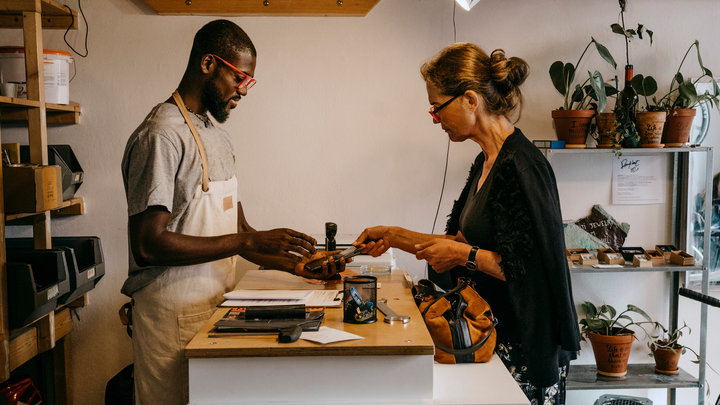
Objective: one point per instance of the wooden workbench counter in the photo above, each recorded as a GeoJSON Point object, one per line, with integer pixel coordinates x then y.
{"type": "Point", "coordinates": [380, 338]}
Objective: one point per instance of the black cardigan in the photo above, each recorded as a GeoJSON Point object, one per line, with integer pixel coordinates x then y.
{"type": "Point", "coordinates": [529, 233]}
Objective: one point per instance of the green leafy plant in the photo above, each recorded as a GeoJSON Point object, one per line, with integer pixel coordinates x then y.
{"type": "Point", "coordinates": [580, 96]}
{"type": "Point", "coordinates": [682, 93]}
{"type": "Point", "coordinates": [671, 340]}
{"type": "Point", "coordinates": [605, 320]}
{"type": "Point", "coordinates": [629, 33]}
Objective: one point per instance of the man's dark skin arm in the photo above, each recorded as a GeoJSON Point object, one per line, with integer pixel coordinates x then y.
{"type": "Point", "coordinates": [153, 244]}
{"type": "Point", "coordinates": [329, 269]}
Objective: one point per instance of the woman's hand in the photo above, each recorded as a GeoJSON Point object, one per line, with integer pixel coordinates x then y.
{"type": "Point", "coordinates": [376, 240]}
{"type": "Point", "coordinates": [329, 267]}
{"type": "Point", "coordinates": [443, 254]}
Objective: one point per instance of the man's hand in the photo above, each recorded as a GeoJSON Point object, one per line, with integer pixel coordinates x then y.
{"type": "Point", "coordinates": [375, 239]}
{"type": "Point", "coordinates": [329, 268]}
{"type": "Point", "coordinates": [287, 243]}
{"type": "Point", "coordinates": [443, 254]}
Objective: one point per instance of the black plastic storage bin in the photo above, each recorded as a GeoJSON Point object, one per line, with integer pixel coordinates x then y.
{"type": "Point", "coordinates": [63, 156]}
{"type": "Point", "coordinates": [36, 279]}
{"type": "Point", "coordinates": [84, 258]}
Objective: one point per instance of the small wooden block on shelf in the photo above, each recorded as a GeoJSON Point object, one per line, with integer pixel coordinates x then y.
{"type": "Point", "coordinates": [666, 250]}
{"type": "Point", "coordinates": [588, 259]}
{"type": "Point", "coordinates": [656, 257]}
{"type": "Point", "coordinates": [610, 256]}
{"type": "Point", "coordinates": [682, 258]}
{"type": "Point", "coordinates": [574, 254]}
{"type": "Point", "coordinates": [642, 260]}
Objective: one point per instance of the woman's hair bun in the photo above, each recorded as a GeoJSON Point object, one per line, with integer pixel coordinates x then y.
{"type": "Point", "coordinates": [507, 72]}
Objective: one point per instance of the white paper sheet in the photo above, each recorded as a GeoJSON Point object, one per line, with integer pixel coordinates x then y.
{"type": "Point", "coordinates": [314, 298]}
{"type": "Point", "coordinates": [327, 335]}
{"type": "Point", "coordinates": [637, 180]}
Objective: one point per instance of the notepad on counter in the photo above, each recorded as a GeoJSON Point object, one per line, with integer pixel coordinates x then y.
{"type": "Point", "coordinates": [326, 335]}
{"type": "Point", "coordinates": [310, 298]}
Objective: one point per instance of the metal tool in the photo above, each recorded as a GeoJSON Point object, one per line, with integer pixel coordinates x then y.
{"type": "Point", "coordinates": [390, 315]}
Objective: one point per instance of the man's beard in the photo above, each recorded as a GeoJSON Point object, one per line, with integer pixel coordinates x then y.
{"type": "Point", "coordinates": [212, 100]}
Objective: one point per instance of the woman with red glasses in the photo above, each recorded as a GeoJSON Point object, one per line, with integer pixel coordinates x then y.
{"type": "Point", "coordinates": [505, 230]}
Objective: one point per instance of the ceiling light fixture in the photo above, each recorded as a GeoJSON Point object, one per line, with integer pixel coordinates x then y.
{"type": "Point", "coordinates": [467, 4]}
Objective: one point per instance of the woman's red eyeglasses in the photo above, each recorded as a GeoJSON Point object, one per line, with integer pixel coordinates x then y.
{"type": "Point", "coordinates": [435, 110]}
{"type": "Point", "coordinates": [247, 80]}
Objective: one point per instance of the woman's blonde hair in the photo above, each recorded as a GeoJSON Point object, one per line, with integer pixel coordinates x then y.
{"type": "Point", "coordinates": [464, 66]}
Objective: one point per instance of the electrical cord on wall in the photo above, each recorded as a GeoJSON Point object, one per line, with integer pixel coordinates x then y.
{"type": "Point", "coordinates": [87, 29]}
{"type": "Point", "coordinates": [447, 152]}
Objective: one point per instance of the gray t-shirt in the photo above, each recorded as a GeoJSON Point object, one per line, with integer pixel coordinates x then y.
{"type": "Point", "coordinates": [162, 167]}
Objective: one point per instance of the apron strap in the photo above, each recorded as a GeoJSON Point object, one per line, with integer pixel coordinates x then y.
{"type": "Point", "coordinates": [183, 110]}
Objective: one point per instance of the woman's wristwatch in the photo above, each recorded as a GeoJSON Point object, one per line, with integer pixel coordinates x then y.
{"type": "Point", "coordinates": [470, 262]}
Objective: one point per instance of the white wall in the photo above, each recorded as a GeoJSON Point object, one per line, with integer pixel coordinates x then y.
{"type": "Point", "coordinates": [337, 129]}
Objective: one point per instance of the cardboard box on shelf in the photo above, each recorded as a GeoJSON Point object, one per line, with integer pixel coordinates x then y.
{"type": "Point", "coordinates": [682, 258]}
{"type": "Point", "coordinates": [574, 254]}
{"type": "Point", "coordinates": [31, 188]}
{"type": "Point", "coordinates": [642, 260]}
{"type": "Point", "coordinates": [609, 256]}
{"type": "Point", "coordinates": [657, 257]}
{"type": "Point", "coordinates": [588, 259]}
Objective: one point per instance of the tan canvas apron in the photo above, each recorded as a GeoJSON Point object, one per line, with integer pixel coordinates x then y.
{"type": "Point", "coordinates": [169, 312]}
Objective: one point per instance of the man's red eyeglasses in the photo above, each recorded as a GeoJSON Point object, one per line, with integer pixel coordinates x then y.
{"type": "Point", "coordinates": [247, 80]}
{"type": "Point", "coordinates": [435, 110]}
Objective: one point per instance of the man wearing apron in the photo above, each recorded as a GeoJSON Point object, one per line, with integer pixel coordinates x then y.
{"type": "Point", "coordinates": [185, 222]}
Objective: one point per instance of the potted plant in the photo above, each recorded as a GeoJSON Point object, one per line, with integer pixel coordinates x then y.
{"type": "Point", "coordinates": [681, 99]}
{"type": "Point", "coordinates": [581, 101]}
{"type": "Point", "coordinates": [628, 98]}
{"type": "Point", "coordinates": [606, 124]}
{"type": "Point", "coordinates": [650, 122]}
{"type": "Point", "coordinates": [610, 336]}
{"type": "Point", "coordinates": [666, 349]}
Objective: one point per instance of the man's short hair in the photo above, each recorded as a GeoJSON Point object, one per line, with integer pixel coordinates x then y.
{"type": "Point", "coordinates": [223, 38]}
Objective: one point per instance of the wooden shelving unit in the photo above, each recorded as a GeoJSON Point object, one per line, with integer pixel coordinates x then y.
{"type": "Point", "coordinates": [19, 346]}
{"type": "Point", "coordinates": [16, 111]}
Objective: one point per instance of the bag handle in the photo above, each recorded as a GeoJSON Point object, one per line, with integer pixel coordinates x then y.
{"type": "Point", "coordinates": [463, 282]}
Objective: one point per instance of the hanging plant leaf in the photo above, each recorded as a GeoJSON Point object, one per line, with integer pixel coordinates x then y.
{"type": "Point", "coordinates": [603, 51]}
{"type": "Point", "coordinates": [679, 79]}
{"type": "Point", "coordinates": [578, 94]}
{"type": "Point", "coordinates": [687, 95]}
{"type": "Point", "coordinates": [598, 87]}
{"type": "Point", "coordinates": [644, 86]}
{"type": "Point", "coordinates": [562, 75]}
{"type": "Point", "coordinates": [618, 29]}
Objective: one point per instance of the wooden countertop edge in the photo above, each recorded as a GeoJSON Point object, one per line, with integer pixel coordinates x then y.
{"type": "Point", "coordinates": [308, 351]}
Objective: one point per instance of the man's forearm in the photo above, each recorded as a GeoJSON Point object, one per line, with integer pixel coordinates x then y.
{"type": "Point", "coordinates": [175, 249]}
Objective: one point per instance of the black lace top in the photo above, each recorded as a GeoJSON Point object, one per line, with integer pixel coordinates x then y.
{"type": "Point", "coordinates": [520, 217]}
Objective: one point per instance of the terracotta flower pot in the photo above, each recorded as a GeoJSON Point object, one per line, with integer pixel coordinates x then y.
{"type": "Point", "coordinates": [650, 127]}
{"type": "Point", "coordinates": [607, 136]}
{"type": "Point", "coordinates": [612, 352]}
{"type": "Point", "coordinates": [666, 360]}
{"type": "Point", "coordinates": [677, 127]}
{"type": "Point", "coordinates": [572, 126]}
